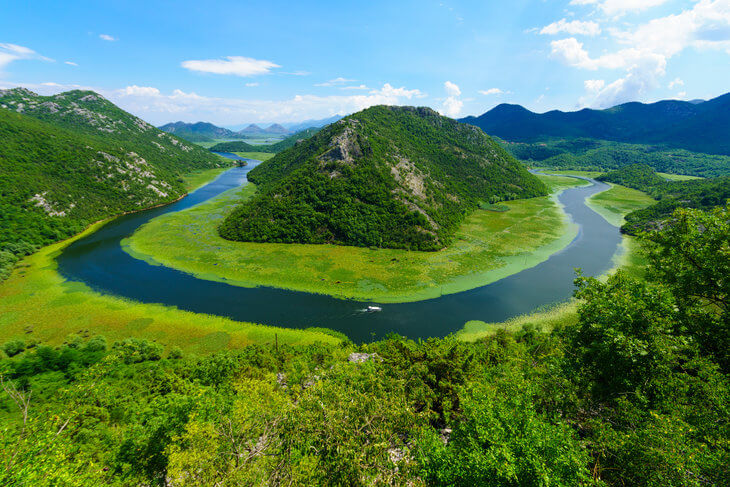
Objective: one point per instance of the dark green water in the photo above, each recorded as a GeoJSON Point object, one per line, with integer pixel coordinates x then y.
{"type": "Point", "coordinates": [99, 261]}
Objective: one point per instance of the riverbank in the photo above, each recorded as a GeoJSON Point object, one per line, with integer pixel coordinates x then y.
{"type": "Point", "coordinates": [38, 305]}
{"type": "Point", "coordinates": [488, 247]}
{"type": "Point", "coordinates": [612, 205]}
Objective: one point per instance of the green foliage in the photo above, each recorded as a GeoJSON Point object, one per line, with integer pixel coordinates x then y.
{"type": "Point", "coordinates": [502, 439]}
{"type": "Point", "coordinates": [602, 155]}
{"type": "Point", "coordinates": [691, 256]}
{"type": "Point", "coordinates": [634, 393]}
{"type": "Point", "coordinates": [696, 193]}
{"type": "Point", "coordinates": [395, 177]}
{"type": "Point", "coordinates": [13, 347]}
{"type": "Point", "coordinates": [74, 158]}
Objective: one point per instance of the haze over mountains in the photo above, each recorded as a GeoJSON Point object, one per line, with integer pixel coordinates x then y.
{"type": "Point", "coordinates": [204, 131]}
{"type": "Point", "coordinates": [697, 125]}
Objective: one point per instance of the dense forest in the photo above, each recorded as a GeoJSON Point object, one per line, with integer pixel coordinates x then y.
{"type": "Point", "coordinates": [397, 177]}
{"type": "Point", "coordinates": [635, 392]}
{"type": "Point", "coordinates": [291, 141]}
{"type": "Point", "coordinates": [600, 155]}
{"type": "Point", "coordinates": [699, 193]}
{"type": "Point", "coordinates": [699, 125]}
{"type": "Point", "coordinates": [74, 158]}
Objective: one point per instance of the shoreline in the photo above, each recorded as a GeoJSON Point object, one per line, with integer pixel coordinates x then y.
{"type": "Point", "coordinates": [508, 264]}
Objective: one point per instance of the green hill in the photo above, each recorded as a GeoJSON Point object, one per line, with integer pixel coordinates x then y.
{"type": "Point", "coordinates": [240, 146]}
{"type": "Point", "coordinates": [70, 159]}
{"type": "Point", "coordinates": [397, 177]}
{"type": "Point", "coordinates": [199, 131]}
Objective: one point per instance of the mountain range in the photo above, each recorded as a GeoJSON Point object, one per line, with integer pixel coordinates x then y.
{"type": "Point", "coordinates": [697, 125]}
{"type": "Point", "coordinates": [396, 177]}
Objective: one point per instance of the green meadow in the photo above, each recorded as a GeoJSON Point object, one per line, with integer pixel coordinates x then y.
{"type": "Point", "coordinates": [490, 245]}
{"type": "Point", "coordinates": [617, 202]}
{"type": "Point", "coordinates": [260, 156]}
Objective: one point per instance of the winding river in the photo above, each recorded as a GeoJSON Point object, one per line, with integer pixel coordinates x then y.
{"type": "Point", "coordinates": [99, 261]}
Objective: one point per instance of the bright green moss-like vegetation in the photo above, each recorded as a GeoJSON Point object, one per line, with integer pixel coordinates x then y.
{"type": "Point", "coordinates": [488, 246]}
{"type": "Point", "coordinates": [387, 177]}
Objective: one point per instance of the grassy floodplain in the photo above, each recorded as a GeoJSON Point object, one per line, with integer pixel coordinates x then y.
{"type": "Point", "coordinates": [489, 246]}
{"type": "Point", "coordinates": [260, 156]}
{"type": "Point", "coordinates": [38, 304]}
{"type": "Point", "coordinates": [677, 177]}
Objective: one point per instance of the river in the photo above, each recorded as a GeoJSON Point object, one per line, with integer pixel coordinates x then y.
{"type": "Point", "coordinates": [99, 261]}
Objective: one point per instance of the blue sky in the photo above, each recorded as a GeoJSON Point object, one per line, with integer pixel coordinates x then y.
{"type": "Point", "coordinates": [237, 62]}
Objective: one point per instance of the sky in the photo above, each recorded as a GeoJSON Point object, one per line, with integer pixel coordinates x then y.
{"type": "Point", "coordinates": [234, 62]}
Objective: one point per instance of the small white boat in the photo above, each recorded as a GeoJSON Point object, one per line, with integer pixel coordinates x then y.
{"type": "Point", "coordinates": [373, 309]}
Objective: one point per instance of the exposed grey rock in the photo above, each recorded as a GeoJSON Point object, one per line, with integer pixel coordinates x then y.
{"type": "Point", "coordinates": [358, 358]}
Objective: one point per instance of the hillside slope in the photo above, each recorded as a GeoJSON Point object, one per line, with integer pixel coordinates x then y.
{"type": "Point", "coordinates": [199, 131]}
{"type": "Point", "coordinates": [74, 158]}
{"type": "Point", "coordinates": [701, 127]}
{"type": "Point", "coordinates": [398, 177]}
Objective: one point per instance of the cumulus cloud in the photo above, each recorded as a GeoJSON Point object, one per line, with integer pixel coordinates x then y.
{"type": "Point", "coordinates": [157, 107]}
{"type": "Point", "coordinates": [235, 65]}
{"type": "Point", "coordinates": [452, 89]}
{"type": "Point", "coordinates": [107, 37]}
{"type": "Point", "coordinates": [452, 105]}
{"type": "Point", "coordinates": [13, 52]}
{"type": "Point", "coordinates": [575, 27]}
{"type": "Point", "coordinates": [620, 7]}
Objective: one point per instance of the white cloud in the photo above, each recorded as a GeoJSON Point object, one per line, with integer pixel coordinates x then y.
{"type": "Point", "coordinates": [235, 65]}
{"type": "Point", "coordinates": [251, 85]}
{"type": "Point", "coordinates": [107, 37]}
{"type": "Point", "coordinates": [70, 63]}
{"type": "Point", "coordinates": [594, 85]}
{"type": "Point", "coordinates": [675, 82]}
{"type": "Point", "coordinates": [492, 91]}
{"type": "Point", "coordinates": [157, 107]}
{"type": "Point", "coordinates": [358, 87]}
{"type": "Point", "coordinates": [705, 26]}
{"type": "Point", "coordinates": [452, 89]}
{"type": "Point", "coordinates": [575, 27]}
{"type": "Point", "coordinates": [682, 94]}
{"type": "Point", "coordinates": [335, 82]}
{"type": "Point", "coordinates": [452, 105]}
{"type": "Point", "coordinates": [13, 52]}
{"type": "Point", "coordinates": [620, 7]}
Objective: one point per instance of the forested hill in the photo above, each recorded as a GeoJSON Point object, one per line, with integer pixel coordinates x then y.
{"type": "Point", "coordinates": [199, 131]}
{"type": "Point", "coordinates": [399, 177]}
{"type": "Point", "coordinates": [74, 158]}
{"type": "Point", "coordinates": [697, 126]}
{"type": "Point", "coordinates": [240, 146]}
{"type": "Point", "coordinates": [698, 193]}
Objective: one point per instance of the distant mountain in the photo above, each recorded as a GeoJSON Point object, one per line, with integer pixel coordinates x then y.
{"type": "Point", "coordinates": [296, 127]}
{"type": "Point", "coordinates": [73, 158]}
{"type": "Point", "coordinates": [252, 129]}
{"type": "Point", "coordinates": [276, 129]}
{"type": "Point", "coordinates": [701, 126]}
{"type": "Point", "coordinates": [241, 146]}
{"type": "Point", "coordinates": [397, 177]}
{"type": "Point", "coordinates": [199, 131]}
